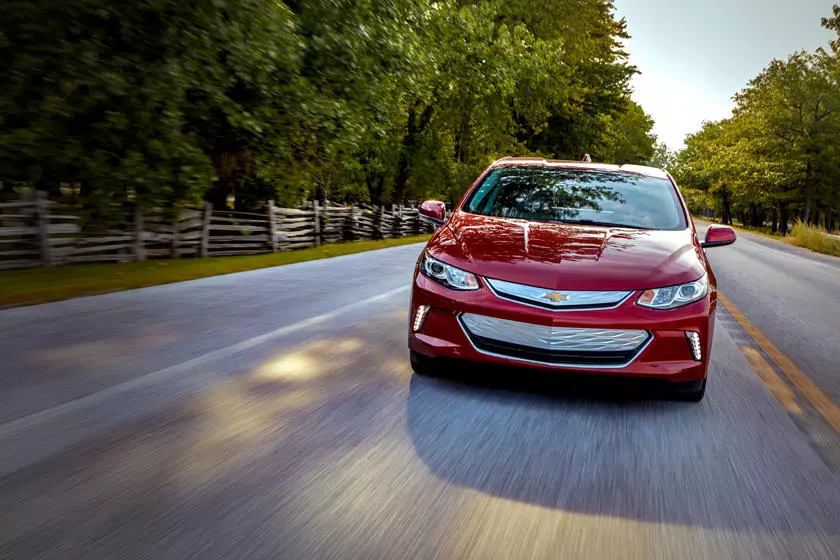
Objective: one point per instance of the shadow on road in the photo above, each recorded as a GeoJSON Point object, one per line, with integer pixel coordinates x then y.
{"type": "Point", "coordinates": [526, 382]}
{"type": "Point", "coordinates": [601, 446]}
{"type": "Point", "coordinates": [327, 441]}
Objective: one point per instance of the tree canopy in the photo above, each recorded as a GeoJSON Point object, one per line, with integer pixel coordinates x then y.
{"type": "Point", "coordinates": [778, 156]}
{"type": "Point", "coordinates": [164, 103]}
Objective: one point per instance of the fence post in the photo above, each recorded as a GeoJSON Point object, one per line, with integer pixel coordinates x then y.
{"type": "Point", "coordinates": [352, 217]}
{"type": "Point", "coordinates": [139, 248]}
{"type": "Point", "coordinates": [176, 233]}
{"type": "Point", "coordinates": [42, 215]}
{"type": "Point", "coordinates": [373, 218]}
{"type": "Point", "coordinates": [272, 227]}
{"type": "Point", "coordinates": [325, 221]}
{"type": "Point", "coordinates": [317, 223]}
{"type": "Point", "coordinates": [205, 230]}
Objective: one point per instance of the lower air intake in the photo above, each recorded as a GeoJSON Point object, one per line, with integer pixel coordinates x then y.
{"type": "Point", "coordinates": [566, 346]}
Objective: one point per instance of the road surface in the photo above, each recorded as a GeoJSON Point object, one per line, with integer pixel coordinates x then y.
{"type": "Point", "coordinates": [273, 414]}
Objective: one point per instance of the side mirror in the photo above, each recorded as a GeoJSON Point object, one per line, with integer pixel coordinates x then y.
{"type": "Point", "coordinates": [433, 210]}
{"type": "Point", "coordinates": [718, 236]}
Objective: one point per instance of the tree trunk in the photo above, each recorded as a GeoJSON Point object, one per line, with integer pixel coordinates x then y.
{"type": "Point", "coordinates": [808, 193]}
{"type": "Point", "coordinates": [7, 191]}
{"type": "Point", "coordinates": [376, 188]}
{"type": "Point", "coordinates": [783, 218]}
{"type": "Point", "coordinates": [414, 128]}
{"type": "Point", "coordinates": [727, 213]}
{"type": "Point", "coordinates": [217, 196]}
{"type": "Point", "coordinates": [775, 217]}
{"type": "Point", "coordinates": [85, 190]}
{"type": "Point", "coordinates": [405, 149]}
{"type": "Point", "coordinates": [756, 215]}
{"type": "Point", "coordinates": [231, 167]}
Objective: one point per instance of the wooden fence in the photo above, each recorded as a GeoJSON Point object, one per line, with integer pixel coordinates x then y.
{"type": "Point", "coordinates": [44, 233]}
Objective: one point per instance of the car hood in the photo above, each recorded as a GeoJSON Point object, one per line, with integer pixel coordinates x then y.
{"type": "Point", "coordinates": [567, 256]}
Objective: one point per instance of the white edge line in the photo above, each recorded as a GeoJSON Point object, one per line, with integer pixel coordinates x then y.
{"type": "Point", "coordinates": [33, 420]}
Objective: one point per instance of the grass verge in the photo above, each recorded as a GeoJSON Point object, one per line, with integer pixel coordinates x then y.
{"type": "Point", "coordinates": [762, 231]}
{"type": "Point", "coordinates": [23, 287]}
{"type": "Point", "coordinates": [814, 238]}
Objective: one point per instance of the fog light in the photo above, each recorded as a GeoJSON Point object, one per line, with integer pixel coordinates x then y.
{"type": "Point", "coordinates": [694, 344]}
{"type": "Point", "coordinates": [419, 317]}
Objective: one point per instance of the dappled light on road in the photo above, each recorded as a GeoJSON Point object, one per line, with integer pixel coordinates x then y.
{"type": "Point", "coordinates": [258, 300]}
{"type": "Point", "coordinates": [290, 367]}
{"type": "Point", "coordinates": [320, 443]}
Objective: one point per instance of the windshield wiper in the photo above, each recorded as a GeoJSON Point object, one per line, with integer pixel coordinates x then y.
{"type": "Point", "coordinates": [603, 224]}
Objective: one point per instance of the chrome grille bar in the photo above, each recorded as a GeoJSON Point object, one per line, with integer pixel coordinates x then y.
{"type": "Point", "coordinates": [565, 339]}
{"type": "Point", "coordinates": [557, 299]}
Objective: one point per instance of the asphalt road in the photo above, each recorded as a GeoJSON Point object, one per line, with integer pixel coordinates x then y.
{"type": "Point", "coordinates": [273, 414]}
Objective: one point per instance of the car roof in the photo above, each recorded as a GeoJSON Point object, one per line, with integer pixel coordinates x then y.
{"type": "Point", "coordinates": [541, 162]}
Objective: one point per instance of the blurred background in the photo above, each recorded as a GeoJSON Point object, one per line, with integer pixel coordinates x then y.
{"type": "Point", "coordinates": [162, 104]}
{"type": "Point", "coordinates": [273, 413]}
{"type": "Point", "coordinates": [236, 102]}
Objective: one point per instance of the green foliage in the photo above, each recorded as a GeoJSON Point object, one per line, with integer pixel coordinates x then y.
{"type": "Point", "coordinates": [662, 157]}
{"type": "Point", "coordinates": [164, 103]}
{"type": "Point", "coordinates": [815, 238]}
{"type": "Point", "coordinates": [777, 156]}
{"type": "Point", "coordinates": [628, 138]}
{"type": "Point", "coordinates": [697, 200]}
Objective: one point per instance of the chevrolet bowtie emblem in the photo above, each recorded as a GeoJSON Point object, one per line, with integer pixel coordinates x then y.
{"type": "Point", "coordinates": [555, 297]}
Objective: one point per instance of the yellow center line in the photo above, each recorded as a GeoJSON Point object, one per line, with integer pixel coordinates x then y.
{"type": "Point", "coordinates": [778, 388]}
{"type": "Point", "coordinates": [817, 398]}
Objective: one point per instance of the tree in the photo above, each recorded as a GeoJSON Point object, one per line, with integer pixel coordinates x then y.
{"type": "Point", "coordinates": [790, 101]}
{"type": "Point", "coordinates": [162, 103]}
{"type": "Point", "coordinates": [663, 157]}
{"type": "Point", "coordinates": [628, 137]}
{"type": "Point", "coordinates": [146, 100]}
{"type": "Point", "coordinates": [778, 152]}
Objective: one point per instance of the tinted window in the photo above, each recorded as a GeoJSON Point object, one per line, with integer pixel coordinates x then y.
{"type": "Point", "coordinates": [578, 196]}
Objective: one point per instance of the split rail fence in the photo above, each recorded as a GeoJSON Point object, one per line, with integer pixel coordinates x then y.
{"type": "Point", "coordinates": [43, 233]}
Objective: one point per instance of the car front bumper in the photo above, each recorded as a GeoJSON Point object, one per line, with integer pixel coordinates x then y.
{"type": "Point", "coordinates": [454, 327]}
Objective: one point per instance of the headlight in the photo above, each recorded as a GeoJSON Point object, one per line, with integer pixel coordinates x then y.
{"type": "Point", "coordinates": [675, 296]}
{"type": "Point", "coordinates": [448, 275]}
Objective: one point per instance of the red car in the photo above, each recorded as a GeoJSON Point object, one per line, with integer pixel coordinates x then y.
{"type": "Point", "coordinates": [568, 267]}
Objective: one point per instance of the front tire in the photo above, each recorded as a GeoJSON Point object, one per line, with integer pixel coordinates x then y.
{"type": "Point", "coordinates": [422, 365]}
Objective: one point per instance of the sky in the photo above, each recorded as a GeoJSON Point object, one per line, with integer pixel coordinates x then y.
{"type": "Point", "coordinates": [694, 55]}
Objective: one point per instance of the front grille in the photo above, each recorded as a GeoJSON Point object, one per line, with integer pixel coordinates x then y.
{"type": "Point", "coordinates": [562, 300]}
{"type": "Point", "coordinates": [554, 345]}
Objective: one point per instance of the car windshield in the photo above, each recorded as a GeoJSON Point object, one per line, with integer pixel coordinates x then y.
{"type": "Point", "coordinates": [578, 196]}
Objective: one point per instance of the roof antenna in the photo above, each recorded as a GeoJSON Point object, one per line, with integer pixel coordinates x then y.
{"type": "Point", "coordinates": [587, 159]}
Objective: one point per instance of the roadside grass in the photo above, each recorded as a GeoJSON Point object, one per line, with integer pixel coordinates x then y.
{"type": "Point", "coordinates": [30, 286]}
{"type": "Point", "coordinates": [765, 231]}
{"type": "Point", "coordinates": [814, 238]}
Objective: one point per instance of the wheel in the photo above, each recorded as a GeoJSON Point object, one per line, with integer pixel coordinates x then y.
{"type": "Point", "coordinates": [691, 392]}
{"type": "Point", "coordinates": [422, 365]}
